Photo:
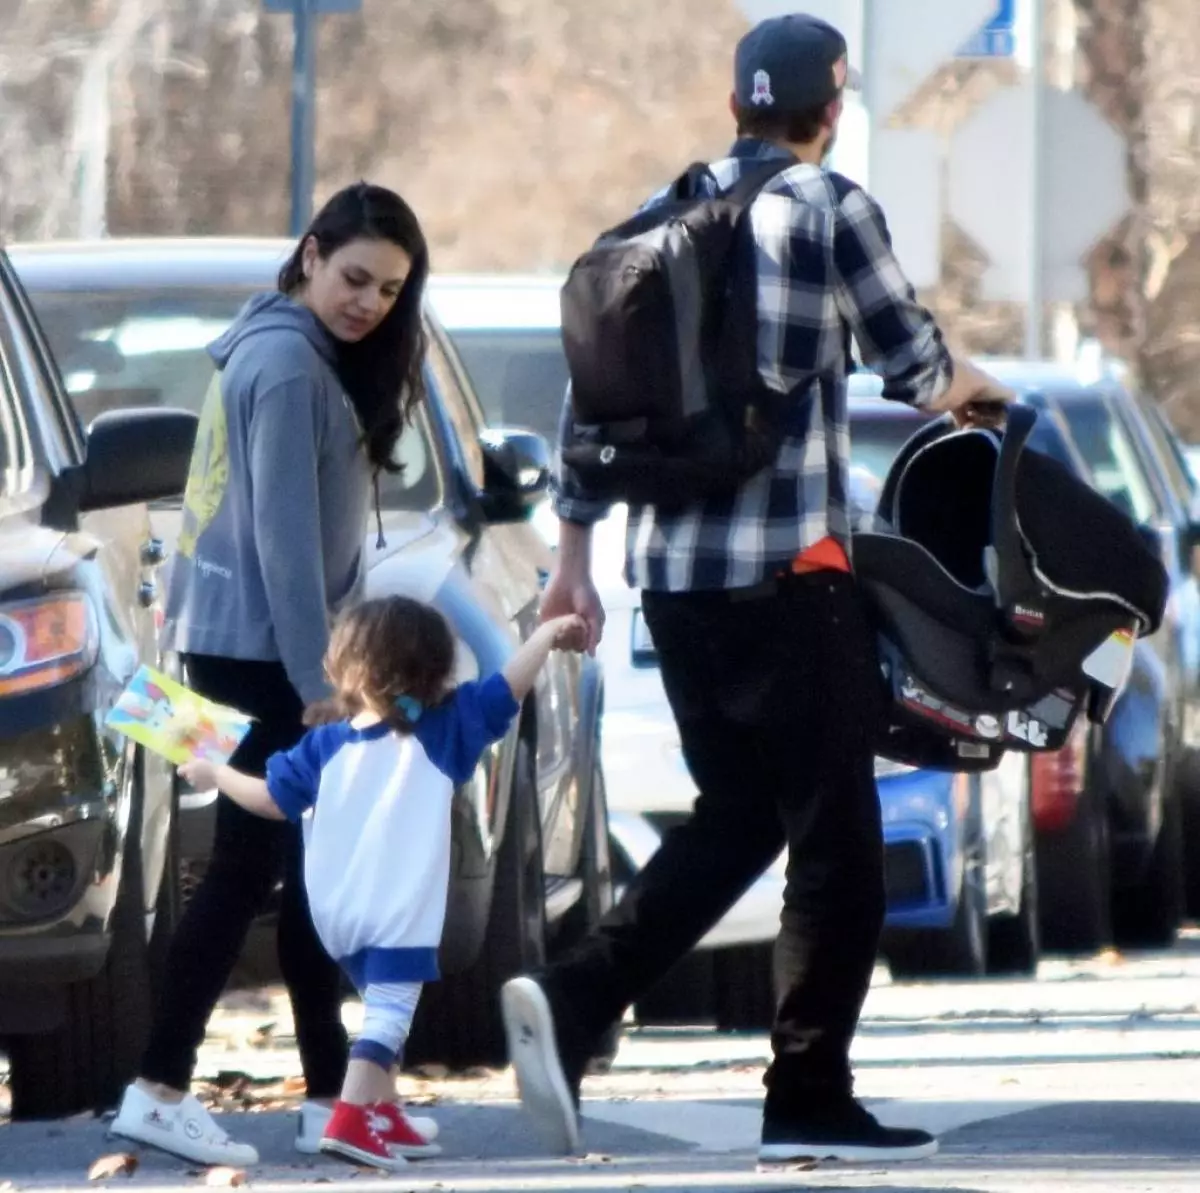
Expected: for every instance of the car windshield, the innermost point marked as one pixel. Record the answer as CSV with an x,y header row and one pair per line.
x,y
126,347
1110,456
876,439
519,374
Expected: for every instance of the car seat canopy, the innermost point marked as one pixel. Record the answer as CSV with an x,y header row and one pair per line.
x,y
996,577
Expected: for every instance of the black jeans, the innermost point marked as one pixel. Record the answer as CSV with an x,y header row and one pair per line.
x,y
249,856
778,697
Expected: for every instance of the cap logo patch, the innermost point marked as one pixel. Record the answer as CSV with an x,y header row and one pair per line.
x,y
762,88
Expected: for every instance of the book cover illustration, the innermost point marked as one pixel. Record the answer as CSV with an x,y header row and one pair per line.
x,y
174,721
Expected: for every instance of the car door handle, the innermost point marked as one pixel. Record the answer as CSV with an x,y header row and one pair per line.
x,y
154,551
147,593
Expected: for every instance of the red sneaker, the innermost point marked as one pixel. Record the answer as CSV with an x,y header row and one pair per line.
x,y
401,1135
353,1133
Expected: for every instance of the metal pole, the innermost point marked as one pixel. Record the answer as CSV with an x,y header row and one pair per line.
x,y
304,87
1035,306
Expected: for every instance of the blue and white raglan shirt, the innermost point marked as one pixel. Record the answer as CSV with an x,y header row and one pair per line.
x,y
375,807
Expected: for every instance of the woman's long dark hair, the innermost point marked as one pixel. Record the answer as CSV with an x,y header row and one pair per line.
x,y
383,372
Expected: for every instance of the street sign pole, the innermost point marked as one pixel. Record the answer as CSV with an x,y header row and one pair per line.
x,y
1034,261
304,15
304,102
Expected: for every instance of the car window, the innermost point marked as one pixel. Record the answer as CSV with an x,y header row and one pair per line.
x,y
465,416
129,347
1110,456
520,375
1169,453
876,440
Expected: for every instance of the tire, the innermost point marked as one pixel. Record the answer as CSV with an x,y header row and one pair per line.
x,y
1015,941
959,951
86,1062
458,1023
1148,914
744,987
1074,877
683,996
1188,786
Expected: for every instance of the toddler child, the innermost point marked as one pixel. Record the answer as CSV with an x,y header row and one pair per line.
x,y
373,787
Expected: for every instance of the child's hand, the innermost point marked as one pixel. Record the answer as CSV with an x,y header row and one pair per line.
x,y
568,633
200,773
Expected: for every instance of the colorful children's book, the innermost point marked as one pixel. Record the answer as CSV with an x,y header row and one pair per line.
x,y
174,721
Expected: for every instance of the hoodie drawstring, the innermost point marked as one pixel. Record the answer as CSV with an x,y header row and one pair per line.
x,y
380,541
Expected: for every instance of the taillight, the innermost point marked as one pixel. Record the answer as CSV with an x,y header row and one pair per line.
x,y
45,641
1056,780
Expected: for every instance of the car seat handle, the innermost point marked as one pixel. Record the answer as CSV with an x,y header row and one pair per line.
x,y
1014,580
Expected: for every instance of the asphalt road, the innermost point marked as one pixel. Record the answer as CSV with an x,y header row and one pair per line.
x,y
1088,1078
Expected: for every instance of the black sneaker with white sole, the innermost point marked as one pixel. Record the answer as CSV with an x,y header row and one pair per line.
x,y
548,1060
843,1130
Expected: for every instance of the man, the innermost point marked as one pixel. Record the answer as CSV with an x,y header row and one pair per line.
x,y
767,658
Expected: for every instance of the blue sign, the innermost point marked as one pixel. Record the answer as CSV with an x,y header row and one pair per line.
x,y
313,6
996,39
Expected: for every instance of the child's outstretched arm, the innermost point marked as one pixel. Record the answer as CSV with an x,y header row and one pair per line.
x,y
560,633
245,790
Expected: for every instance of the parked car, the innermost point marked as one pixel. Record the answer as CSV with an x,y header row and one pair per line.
x,y
946,834
85,815
1106,814
128,322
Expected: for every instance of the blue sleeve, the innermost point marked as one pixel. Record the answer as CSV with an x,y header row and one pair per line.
x,y
294,776
456,733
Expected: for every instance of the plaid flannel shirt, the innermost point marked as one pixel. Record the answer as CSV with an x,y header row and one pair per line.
x,y
742,539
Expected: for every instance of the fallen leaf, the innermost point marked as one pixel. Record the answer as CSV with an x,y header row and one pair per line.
x,y
117,1164
225,1178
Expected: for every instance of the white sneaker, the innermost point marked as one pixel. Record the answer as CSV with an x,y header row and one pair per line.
x,y
184,1129
312,1119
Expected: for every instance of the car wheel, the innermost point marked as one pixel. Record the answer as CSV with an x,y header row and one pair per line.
x,y
744,987
1074,877
683,996
1014,941
1187,784
457,1023
85,1063
957,951
1147,915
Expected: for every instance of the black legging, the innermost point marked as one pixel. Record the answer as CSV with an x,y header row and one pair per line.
x,y
249,856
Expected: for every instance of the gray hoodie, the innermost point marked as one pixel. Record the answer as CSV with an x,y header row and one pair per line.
x,y
275,513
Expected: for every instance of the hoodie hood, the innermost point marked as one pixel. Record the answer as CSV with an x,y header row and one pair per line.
x,y
272,312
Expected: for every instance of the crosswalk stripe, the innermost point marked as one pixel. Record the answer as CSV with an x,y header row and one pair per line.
x,y
717,1126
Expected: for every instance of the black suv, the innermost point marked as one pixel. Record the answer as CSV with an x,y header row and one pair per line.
x,y
84,816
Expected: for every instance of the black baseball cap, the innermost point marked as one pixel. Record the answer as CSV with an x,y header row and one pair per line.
x,y
787,63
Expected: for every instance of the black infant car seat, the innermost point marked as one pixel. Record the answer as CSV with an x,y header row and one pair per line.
x,y
1007,593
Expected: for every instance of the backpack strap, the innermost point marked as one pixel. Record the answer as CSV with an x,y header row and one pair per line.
x,y
743,192
687,185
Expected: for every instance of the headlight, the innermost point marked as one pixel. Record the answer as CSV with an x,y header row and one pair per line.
x,y
885,768
45,641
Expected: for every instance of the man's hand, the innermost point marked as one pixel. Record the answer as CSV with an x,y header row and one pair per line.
x,y
570,592
973,397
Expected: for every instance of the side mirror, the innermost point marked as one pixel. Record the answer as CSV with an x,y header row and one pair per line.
x,y
516,472
136,455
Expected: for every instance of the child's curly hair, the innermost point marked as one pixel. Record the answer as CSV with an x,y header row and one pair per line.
x,y
383,649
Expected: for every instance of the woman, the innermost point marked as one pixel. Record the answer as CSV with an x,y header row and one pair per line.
x,y
312,389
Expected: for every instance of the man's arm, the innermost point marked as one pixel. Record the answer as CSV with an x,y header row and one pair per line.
x,y
896,334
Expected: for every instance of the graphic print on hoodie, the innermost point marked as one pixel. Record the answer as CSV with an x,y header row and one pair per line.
x,y
277,500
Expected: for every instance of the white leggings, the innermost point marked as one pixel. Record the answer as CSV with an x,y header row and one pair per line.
x,y
389,1009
